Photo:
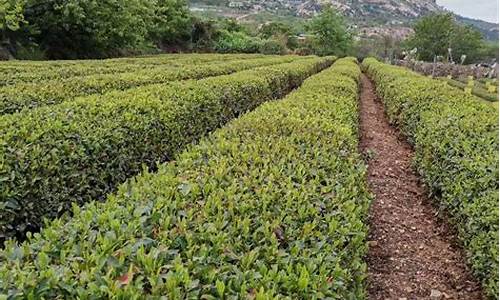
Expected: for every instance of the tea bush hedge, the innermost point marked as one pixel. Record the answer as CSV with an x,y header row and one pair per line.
x,y
78,151
27,65
476,90
43,71
30,95
270,207
456,145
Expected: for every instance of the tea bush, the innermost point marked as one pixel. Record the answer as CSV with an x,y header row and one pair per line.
x,y
35,72
30,95
78,151
271,206
476,90
456,144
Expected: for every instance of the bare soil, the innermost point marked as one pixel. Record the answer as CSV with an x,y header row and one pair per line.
x,y
412,253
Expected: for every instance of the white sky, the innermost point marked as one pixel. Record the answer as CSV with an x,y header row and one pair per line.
x,y
478,9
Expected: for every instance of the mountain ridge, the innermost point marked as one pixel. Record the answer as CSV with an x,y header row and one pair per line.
x,y
393,17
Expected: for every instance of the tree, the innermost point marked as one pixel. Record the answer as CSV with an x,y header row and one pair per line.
x,y
272,29
11,21
11,14
466,40
272,46
489,52
236,42
203,34
383,47
93,28
280,33
83,28
231,25
331,36
172,22
436,33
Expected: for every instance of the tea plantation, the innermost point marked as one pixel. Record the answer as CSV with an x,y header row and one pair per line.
x,y
222,176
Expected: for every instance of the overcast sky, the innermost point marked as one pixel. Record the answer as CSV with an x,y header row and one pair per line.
x,y
478,9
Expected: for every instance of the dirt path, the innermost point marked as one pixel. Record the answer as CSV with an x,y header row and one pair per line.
x,y
412,255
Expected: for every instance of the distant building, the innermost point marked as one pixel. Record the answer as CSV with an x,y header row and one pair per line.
x,y
234,4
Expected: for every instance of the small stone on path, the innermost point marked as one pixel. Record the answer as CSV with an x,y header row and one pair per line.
x,y
435,294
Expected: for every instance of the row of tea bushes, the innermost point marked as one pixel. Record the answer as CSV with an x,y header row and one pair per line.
x,y
30,65
77,151
271,206
476,90
30,95
9,68
50,71
456,144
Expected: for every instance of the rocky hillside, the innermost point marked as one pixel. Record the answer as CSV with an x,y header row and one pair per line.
x,y
370,16
401,10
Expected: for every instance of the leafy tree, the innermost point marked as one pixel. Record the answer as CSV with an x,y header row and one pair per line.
x,y
81,28
203,34
467,40
435,33
172,23
489,51
272,46
94,28
11,14
231,25
382,47
224,36
280,33
272,29
331,36
236,42
16,35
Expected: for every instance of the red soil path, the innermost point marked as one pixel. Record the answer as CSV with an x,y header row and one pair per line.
x,y
412,254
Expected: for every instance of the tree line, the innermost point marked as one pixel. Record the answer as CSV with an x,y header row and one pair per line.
x,y
90,28
69,29
436,37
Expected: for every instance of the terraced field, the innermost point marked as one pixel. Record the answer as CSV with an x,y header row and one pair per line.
x,y
202,176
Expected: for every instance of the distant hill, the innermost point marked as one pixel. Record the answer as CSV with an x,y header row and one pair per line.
x,y
489,30
372,17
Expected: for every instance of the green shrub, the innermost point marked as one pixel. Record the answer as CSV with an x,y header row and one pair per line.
x,y
304,51
237,42
476,90
484,94
271,46
456,146
270,207
28,95
78,151
30,53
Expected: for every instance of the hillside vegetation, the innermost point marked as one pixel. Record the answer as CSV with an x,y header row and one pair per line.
x,y
40,29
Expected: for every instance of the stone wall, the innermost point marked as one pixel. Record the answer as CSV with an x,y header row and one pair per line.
x,y
444,69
